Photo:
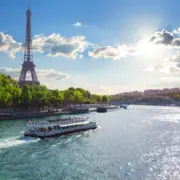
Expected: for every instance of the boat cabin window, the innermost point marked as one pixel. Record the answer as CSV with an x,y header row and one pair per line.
x,y
43,129
49,128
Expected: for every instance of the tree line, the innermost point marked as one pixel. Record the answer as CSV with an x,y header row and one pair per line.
x,y
39,97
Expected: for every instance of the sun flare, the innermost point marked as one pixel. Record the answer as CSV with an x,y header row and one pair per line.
x,y
148,49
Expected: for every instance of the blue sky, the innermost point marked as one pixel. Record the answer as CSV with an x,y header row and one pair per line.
x,y
100,45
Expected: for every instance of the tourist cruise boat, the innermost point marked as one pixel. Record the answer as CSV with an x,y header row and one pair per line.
x,y
56,127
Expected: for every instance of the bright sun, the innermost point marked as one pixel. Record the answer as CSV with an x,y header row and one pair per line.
x,y
148,49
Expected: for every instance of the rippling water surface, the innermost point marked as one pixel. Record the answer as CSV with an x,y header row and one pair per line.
x,y
140,143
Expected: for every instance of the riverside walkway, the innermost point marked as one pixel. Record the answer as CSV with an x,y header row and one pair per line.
x,y
41,114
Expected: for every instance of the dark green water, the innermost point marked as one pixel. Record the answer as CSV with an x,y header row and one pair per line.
x,y
140,143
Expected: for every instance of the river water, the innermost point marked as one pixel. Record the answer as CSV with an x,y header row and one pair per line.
x,y
140,143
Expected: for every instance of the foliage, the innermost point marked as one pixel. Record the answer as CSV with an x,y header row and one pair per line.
x,y
105,98
39,97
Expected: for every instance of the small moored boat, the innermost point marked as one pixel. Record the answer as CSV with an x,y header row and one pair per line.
x,y
123,106
57,127
101,109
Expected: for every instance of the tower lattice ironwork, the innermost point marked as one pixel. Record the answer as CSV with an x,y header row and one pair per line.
x,y
28,65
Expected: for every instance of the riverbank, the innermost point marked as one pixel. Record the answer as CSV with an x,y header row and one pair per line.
x,y
25,115
11,115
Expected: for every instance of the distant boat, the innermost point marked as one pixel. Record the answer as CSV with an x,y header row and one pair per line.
x,y
123,106
58,127
101,109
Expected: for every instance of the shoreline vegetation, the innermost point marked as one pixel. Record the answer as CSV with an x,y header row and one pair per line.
x,y
33,101
38,100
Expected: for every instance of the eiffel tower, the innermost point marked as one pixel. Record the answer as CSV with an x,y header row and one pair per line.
x,y
28,65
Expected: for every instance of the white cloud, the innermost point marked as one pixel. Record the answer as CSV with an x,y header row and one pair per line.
x,y
9,45
42,74
150,69
175,59
172,64
56,45
166,38
10,71
176,31
51,74
77,24
168,82
170,79
110,52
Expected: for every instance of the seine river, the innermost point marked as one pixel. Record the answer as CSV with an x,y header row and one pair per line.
x,y
140,143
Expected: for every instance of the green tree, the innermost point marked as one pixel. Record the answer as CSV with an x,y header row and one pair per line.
x,y
16,95
96,98
78,97
68,96
57,98
105,98
26,96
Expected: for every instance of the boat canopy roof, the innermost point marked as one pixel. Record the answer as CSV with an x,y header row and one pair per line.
x,y
69,122
67,119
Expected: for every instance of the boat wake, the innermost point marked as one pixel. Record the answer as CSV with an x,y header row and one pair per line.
x,y
99,127
79,136
14,141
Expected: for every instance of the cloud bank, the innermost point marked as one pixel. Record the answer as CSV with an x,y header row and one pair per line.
x,y
49,74
75,46
52,45
57,45
170,65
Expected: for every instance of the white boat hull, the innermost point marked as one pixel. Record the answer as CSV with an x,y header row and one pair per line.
x,y
36,133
